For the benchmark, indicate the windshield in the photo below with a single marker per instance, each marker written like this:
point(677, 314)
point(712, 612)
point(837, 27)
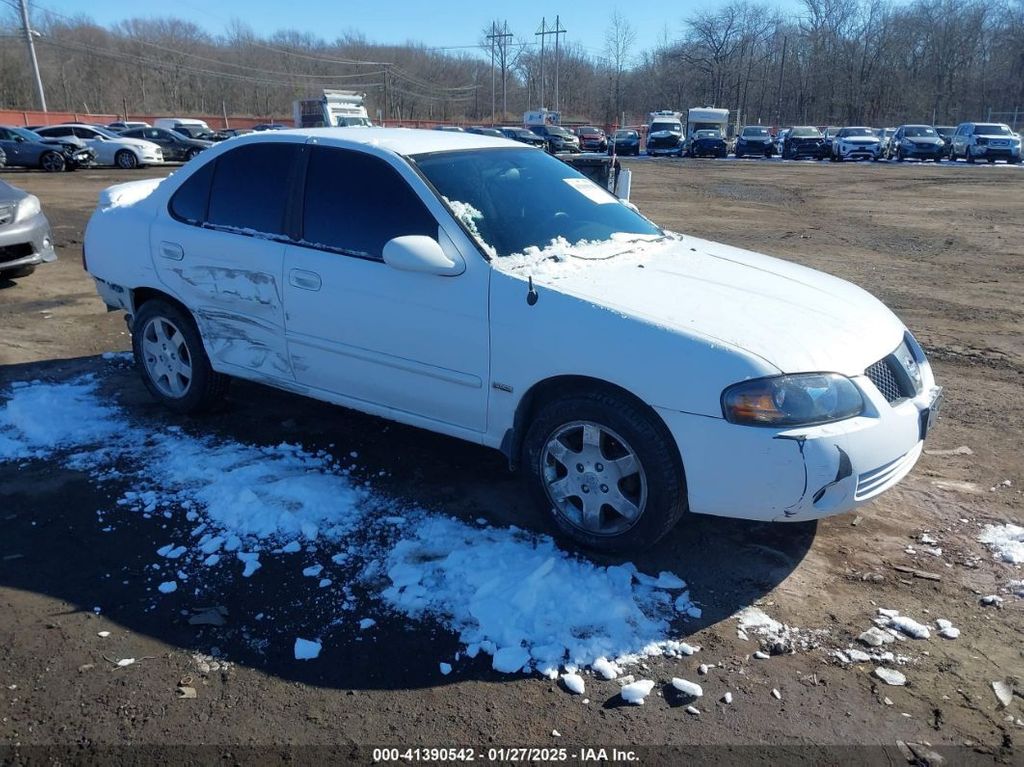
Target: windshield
point(992, 130)
point(350, 122)
point(918, 130)
point(805, 133)
point(946, 131)
point(708, 134)
point(846, 132)
point(625, 134)
point(515, 199)
point(669, 126)
point(751, 132)
point(589, 131)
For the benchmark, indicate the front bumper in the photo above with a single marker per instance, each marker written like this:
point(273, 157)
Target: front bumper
point(868, 152)
point(802, 473)
point(995, 152)
point(926, 151)
point(26, 243)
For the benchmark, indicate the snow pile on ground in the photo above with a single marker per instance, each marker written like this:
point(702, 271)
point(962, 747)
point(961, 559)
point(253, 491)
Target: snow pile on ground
point(776, 638)
point(519, 598)
point(1005, 541)
point(40, 417)
point(561, 258)
point(511, 594)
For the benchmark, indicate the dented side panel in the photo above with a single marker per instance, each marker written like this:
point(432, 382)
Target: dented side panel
point(232, 284)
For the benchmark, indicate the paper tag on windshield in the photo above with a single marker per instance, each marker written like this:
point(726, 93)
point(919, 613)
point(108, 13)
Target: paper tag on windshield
point(591, 191)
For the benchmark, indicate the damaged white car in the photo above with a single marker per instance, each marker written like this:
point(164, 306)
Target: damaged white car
point(478, 288)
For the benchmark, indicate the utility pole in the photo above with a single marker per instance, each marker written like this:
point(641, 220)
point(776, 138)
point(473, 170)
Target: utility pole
point(557, 32)
point(492, 37)
point(32, 54)
point(543, 34)
point(387, 75)
point(500, 39)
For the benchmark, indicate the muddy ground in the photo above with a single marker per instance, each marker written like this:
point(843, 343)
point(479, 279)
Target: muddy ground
point(943, 246)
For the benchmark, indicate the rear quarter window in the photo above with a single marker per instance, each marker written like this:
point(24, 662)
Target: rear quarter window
point(189, 203)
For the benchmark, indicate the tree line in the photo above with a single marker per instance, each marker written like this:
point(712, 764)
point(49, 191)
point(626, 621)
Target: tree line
point(834, 62)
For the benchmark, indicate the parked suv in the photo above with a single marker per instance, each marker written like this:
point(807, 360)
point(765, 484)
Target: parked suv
point(856, 144)
point(985, 141)
point(916, 142)
point(803, 142)
point(754, 140)
point(558, 138)
point(592, 139)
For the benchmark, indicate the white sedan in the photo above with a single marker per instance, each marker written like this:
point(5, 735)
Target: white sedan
point(477, 288)
point(111, 149)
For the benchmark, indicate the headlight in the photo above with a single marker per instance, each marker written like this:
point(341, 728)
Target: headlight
point(792, 400)
point(28, 207)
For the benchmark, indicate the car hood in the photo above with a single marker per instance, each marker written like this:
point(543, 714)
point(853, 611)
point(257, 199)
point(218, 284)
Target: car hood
point(795, 318)
point(925, 140)
point(994, 137)
point(664, 134)
point(860, 140)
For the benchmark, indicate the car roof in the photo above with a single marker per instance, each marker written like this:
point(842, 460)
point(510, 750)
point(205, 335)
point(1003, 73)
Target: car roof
point(402, 141)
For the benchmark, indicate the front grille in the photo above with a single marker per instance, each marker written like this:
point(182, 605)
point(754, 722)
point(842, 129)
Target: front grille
point(664, 142)
point(886, 377)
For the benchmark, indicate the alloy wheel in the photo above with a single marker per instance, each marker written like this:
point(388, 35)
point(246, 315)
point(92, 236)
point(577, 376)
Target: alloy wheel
point(593, 478)
point(167, 357)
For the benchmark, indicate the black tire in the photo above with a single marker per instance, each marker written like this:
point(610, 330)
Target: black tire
point(649, 440)
point(21, 271)
point(206, 387)
point(52, 162)
point(968, 156)
point(738, 155)
point(125, 159)
point(899, 155)
point(192, 153)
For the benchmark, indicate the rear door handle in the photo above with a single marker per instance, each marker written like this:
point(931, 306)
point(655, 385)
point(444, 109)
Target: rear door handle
point(172, 250)
point(304, 280)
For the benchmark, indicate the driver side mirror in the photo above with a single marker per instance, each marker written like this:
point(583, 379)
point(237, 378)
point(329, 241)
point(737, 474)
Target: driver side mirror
point(418, 253)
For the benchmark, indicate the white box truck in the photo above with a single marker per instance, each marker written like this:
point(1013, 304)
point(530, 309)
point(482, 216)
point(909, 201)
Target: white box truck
point(334, 109)
point(706, 118)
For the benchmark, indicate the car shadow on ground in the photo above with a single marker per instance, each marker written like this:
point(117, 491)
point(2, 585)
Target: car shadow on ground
point(54, 544)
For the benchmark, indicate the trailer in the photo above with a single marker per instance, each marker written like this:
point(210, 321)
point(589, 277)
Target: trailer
point(335, 109)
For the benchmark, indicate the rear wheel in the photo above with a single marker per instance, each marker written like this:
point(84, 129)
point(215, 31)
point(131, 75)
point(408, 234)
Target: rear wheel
point(606, 470)
point(170, 356)
point(52, 162)
point(968, 156)
point(192, 153)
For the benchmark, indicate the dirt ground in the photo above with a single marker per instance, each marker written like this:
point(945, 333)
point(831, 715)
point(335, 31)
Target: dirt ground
point(943, 246)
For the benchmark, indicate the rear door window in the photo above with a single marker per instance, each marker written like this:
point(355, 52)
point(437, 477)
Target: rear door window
point(250, 188)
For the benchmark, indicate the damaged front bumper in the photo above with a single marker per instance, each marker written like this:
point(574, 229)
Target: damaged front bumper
point(804, 473)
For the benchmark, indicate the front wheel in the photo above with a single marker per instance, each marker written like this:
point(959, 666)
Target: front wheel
point(606, 470)
point(170, 356)
point(126, 160)
point(52, 162)
point(192, 153)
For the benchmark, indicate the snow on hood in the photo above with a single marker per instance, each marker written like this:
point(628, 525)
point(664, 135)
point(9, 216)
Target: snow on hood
point(128, 194)
point(795, 318)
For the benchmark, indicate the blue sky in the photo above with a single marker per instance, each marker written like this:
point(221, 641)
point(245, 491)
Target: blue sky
point(396, 21)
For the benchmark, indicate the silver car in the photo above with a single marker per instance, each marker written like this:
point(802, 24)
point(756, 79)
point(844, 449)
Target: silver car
point(25, 237)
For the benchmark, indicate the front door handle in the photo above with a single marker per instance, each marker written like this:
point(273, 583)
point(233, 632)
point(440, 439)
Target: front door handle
point(172, 250)
point(304, 280)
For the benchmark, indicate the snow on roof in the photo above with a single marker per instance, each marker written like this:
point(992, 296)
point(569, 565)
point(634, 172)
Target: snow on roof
point(403, 141)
